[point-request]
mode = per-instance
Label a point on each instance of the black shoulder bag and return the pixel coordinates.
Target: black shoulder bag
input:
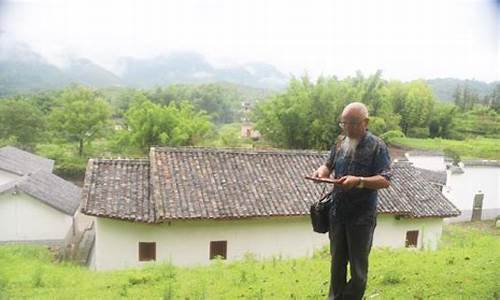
(320, 210)
(320, 213)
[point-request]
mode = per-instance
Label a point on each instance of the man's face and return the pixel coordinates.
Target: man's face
(353, 124)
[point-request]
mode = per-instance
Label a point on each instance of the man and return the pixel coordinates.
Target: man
(361, 161)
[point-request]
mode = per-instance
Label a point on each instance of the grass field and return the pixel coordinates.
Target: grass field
(479, 148)
(466, 266)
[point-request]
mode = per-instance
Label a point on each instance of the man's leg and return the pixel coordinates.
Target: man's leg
(338, 267)
(359, 241)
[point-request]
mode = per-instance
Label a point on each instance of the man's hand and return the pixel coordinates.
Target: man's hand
(348, 182)
(321, 172)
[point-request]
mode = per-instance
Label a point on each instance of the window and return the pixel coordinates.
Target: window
(218, 248)
(411, 238)
(147, 251)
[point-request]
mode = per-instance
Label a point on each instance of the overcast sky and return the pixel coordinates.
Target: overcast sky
(406, 39)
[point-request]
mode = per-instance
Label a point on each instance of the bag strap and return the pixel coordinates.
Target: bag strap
(324, 196)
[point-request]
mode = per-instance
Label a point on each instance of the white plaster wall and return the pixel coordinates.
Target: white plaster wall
(82, 221)
(498, 193)
(91, 262)
(23, 218)
(7, 177)
(187, 242)
(461, 188)
(391, 232)
(435, 163)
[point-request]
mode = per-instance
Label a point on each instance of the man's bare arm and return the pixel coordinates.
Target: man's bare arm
(376, 182)
(373, 182)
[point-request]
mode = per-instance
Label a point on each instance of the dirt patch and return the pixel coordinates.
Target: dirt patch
(396, 151)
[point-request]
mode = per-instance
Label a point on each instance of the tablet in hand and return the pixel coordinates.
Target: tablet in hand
(322, 179)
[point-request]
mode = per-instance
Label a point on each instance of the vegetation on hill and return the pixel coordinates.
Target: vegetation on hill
(72, 124)
(307, 113)
(445, 88)
(478, 148)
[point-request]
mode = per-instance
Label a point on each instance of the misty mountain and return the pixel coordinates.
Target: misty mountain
(164, 70)
(24, 70)
(21, 69)
(444, 88)
(188, 67)
(255, 74)
(86, 72)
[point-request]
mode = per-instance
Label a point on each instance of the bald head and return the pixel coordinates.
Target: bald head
(355, 120)
(357, 109)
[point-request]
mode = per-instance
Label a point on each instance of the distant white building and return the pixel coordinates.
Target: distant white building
(471, 179)
(434, 161)
(188, 205)
(475, 179)
(35, 205)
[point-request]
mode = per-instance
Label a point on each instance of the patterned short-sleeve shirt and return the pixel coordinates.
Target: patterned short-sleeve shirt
(370, 158)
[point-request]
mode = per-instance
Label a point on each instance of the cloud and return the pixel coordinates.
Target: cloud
(406, 39)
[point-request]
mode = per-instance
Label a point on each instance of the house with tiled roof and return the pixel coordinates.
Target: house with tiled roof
(473, 185)
(189, 205)
(35, 205)
(437, 178)
(15, 163)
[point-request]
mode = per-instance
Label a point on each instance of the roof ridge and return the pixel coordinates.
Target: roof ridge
(237, 150)
(158, 207)
(119, 158)
(8, 147)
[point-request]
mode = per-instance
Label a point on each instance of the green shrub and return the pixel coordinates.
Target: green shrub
(456, 135)
(419, 132)
(449, 152)
(390, 135)
(377, 125)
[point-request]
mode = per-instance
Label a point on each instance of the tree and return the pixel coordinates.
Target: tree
(465, 97)
(286, 119)
(229, 136)
(21, 121)
(416, 106)
(442, 120)
(305, 116)
(372, 93)
(494, 98)
(121, 99)
(221, 103)
(80, 115)
(151, 124)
